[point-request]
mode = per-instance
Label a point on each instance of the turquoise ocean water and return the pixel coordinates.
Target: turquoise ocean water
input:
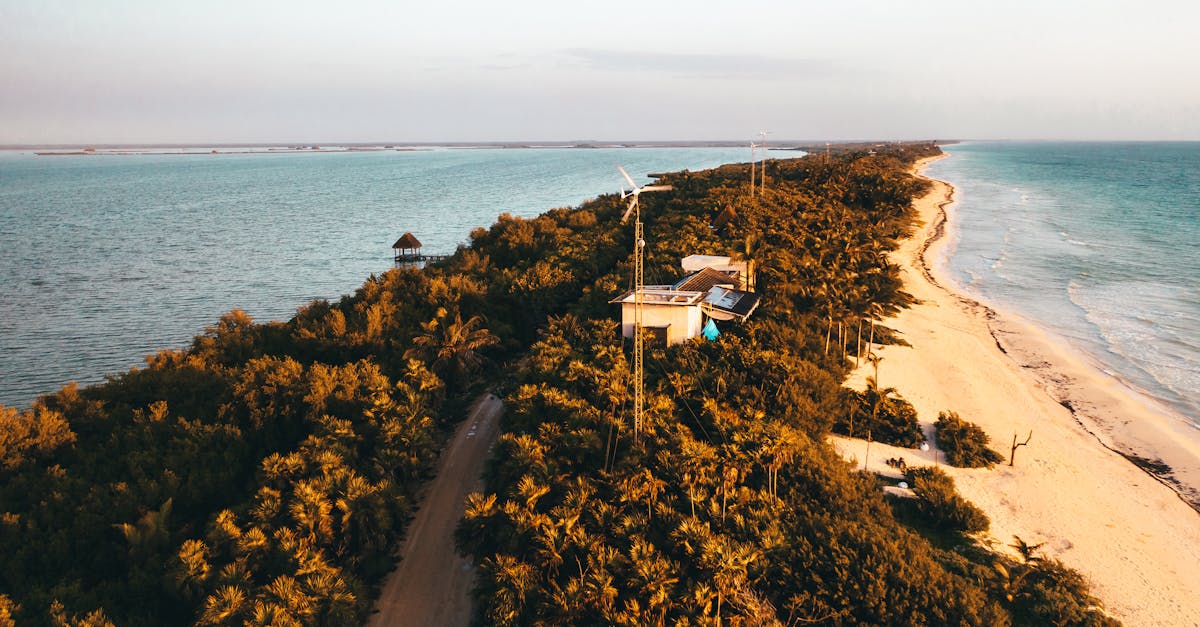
(1097, 242)
(105, 259)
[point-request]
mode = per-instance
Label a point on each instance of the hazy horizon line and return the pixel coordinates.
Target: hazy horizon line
(550, 143)
(512, 142)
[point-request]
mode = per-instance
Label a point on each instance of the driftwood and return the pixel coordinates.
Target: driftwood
(1012, 453)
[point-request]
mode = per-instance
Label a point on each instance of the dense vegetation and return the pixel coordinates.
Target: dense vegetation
(940, 502)
(264, 474)
(881, 415)
(732, 507)
(965, 444)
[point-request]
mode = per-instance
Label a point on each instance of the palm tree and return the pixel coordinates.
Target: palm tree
(875, 358)
(287, 593)
(875, 398)
(654, 487)
(193, 572)
(1029, 552)
(312, 512)
(333, 603)
(265, 614)
(779, 452)
(550, 547)
(697, 462)
(729, 479)
(654, 575)
(149, 533)
(512, 579)
(1012, 579)
(729, 563)
(223, 606)
(364, 518)
(749, 249)
(452, 348)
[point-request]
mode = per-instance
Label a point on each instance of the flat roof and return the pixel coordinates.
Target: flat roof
(662, 297)
(693, 263)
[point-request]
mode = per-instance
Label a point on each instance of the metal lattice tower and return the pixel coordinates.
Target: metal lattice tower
(639, 288)
(639, 383)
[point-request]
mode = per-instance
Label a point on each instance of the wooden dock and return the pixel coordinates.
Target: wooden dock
(404, 260)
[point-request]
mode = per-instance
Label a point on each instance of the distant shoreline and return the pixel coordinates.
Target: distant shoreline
(135, 152)
(98, 149)
(300, 147)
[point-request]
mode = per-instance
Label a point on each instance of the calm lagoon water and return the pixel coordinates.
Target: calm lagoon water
(1097, 242)
(105, 259)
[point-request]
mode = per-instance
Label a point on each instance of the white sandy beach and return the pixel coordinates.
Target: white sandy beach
(1133, 535)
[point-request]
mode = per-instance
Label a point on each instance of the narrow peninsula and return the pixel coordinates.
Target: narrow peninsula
(787, 468)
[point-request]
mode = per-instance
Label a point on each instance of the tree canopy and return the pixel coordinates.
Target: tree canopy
(264, 474)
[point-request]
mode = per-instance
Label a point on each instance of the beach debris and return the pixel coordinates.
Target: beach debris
(1012, 454)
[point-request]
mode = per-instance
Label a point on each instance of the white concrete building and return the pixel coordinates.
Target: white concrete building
(713, 288)
(668, 315)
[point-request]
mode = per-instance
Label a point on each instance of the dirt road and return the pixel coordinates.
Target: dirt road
(432, 584)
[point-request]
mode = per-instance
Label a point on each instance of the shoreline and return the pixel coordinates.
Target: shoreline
(1095, 398)
(1082, 486)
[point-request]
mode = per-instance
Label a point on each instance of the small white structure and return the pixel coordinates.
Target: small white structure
(714, 288)
(668, 315)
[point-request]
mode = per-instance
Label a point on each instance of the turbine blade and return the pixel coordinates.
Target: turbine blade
(627, 177)
(656, 188)
(632, 204)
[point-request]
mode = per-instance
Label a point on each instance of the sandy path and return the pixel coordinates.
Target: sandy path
(1134, 539)
(432, 584)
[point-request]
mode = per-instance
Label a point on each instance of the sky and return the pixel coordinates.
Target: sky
(133, 71)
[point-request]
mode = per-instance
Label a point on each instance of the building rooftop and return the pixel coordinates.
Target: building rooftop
(662, 297)
(706, 279)
(695, 263)
(726, 304)
(726, 216)
(408, 240)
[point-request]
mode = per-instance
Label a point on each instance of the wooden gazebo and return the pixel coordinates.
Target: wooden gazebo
(407, 248)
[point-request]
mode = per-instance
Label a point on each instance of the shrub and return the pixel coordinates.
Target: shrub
(885, 414)
(1053, 594)
(897, 423)
(1044, 591)
(965, 444)
(940, 502)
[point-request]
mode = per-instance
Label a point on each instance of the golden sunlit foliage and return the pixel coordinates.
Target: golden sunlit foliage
(265, 474)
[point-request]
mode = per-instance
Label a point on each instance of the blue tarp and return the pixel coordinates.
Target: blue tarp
(710, 331)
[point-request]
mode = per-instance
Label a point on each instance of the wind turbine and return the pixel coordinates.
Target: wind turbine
(762, 172)
(639, 286)
(753, 157)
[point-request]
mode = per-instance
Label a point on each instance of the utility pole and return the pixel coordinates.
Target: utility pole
(762, 172)
(753, 157)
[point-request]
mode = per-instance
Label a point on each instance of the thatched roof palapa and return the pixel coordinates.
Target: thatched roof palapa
(725, 217)
(408, 240)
